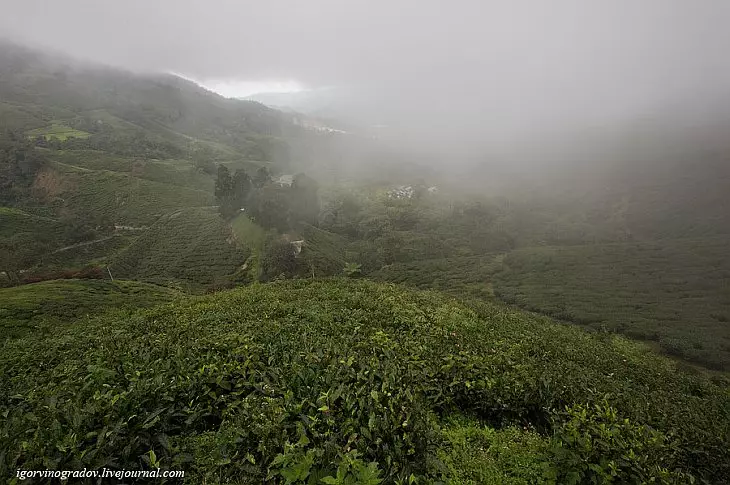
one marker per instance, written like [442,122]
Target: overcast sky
[525,63]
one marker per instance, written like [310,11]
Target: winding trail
[78,245]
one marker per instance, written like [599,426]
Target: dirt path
[78,245]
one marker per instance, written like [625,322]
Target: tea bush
[673,292]
[349,381]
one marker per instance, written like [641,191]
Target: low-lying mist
[524,84]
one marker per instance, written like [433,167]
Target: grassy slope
[59,131]
[20,118]
[315,371]
[173,172]
[122,198]
[467,275]
[14,222]
[191,247]
[250,235]
[323,251]
[671,291]
[25,308]
[98,252]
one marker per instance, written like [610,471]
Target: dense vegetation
[189,248]
[358,382]
[672,292]
[42,306]
[153,179]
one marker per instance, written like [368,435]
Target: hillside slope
[168,110]
[673,292]
[296,381]
[49,304]
[194,248]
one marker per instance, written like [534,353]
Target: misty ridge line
[524,82]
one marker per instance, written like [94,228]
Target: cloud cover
[496,69]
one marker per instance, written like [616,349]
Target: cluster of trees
[429,227]
[271,205]
[19,164]
[232,192]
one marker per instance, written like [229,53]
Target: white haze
[474,76]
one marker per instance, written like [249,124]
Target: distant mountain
[311,102]
[39,88]
[349,109]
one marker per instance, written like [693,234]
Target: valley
[207,284]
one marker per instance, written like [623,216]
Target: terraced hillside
[673,292]
[39,307]
[180,173]
[25,238]
[58,131]
[191,248]
[297,381]
[17,222]
[462,276]
[114,197]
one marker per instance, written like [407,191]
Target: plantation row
[298,381]
[671,292]
[34,308]
[191,247]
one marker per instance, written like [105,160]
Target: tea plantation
[342,381]
[117,197]
[34,307]
[673,292]
[191,248]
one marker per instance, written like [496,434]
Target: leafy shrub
[662,291]
[593,444]
[299,381]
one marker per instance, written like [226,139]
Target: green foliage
[663,291]
[180,173]
[460,275]
[353,471]
[57,130]
[341,214]
[280,260]
[271,208]
[250,235]
[593,444]
[98,252]
[474,453]
[116,197]
[25,241]
[192,248]
[323,252]
[232,193]
[30,308]
[352,269]
[304,201]
[339,381]
[16,221]
[203,159]
[147,116]
[224,192]
[19,164]
[277,206]
[285,382]
[389,231]
[262,178]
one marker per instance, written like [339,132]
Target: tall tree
[262,177]
[242,187]
[271,208]
[305,199]
[224,193]
[223,182]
